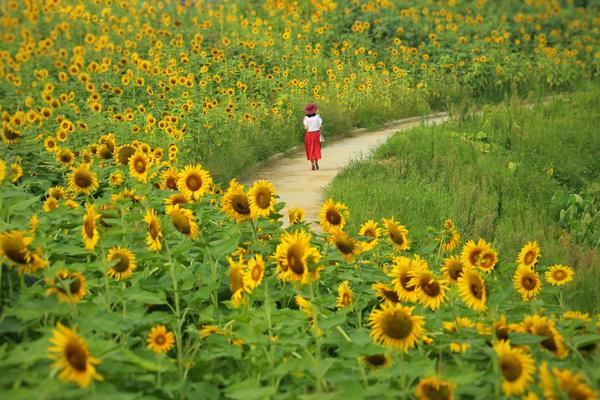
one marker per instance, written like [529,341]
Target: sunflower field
[135,266]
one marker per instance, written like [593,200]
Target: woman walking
[312,142]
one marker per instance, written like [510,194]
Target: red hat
[310,108]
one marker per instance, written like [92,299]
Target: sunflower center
[346,299]
[474,257]
[178,199]
[476,289]
[404,281]
[529,258]
[193,182]
[125,153]
[455,271]
[559,275]
[397,325]
[82,179]
[171,182]
[376,360]
[66,157]
[123,264]
[140,166]
[345,245]
[75,286]
[160,340]
[511,367]
[76,356]
[15,251]
[256,273]
[182,223]
[397,237]
[333,217]
[263,199]
[431,287]
[487,260]
[294,259]
[442,392]
[154,230]
[548,343]
[88,227]
[240,204]
[392,295]
[528,282]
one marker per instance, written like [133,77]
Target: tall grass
[498,175]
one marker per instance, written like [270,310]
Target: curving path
[298,186]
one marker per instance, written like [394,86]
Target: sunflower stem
[178,322]
[159,373]
[403,376]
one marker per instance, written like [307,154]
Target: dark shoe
[313,167]
[317,165]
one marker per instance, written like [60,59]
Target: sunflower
[33,223]
[82,180]
[527,282]
[430,291]
[69,287]
[457,347]
[115,179]
[50,204]
[348,246]
[262,198]
[434,388]
[472,289]
[543,326]
[452,269]
[64,156]
[236,275]
[457,324]
[372,231]
[124,154]
[449,236]
[89,230]
[169,179]
[307,308]
[395,326]
[2,170]
[529,254]
[235,202]
[16,172]
[139,164]
[558,275]
[183,220]
[398,234]
[50,144]
[576,315]
[333,215]
[9,134]
[479,255]
[571,384]
[546,382]
[175,199]
[401,277]
[344,298]
[294,255]
[123,263]
[14,247]
[58,192]
[296,215]
[72,357]
[154,231]
[254,274]
[385,293]
[194,181]
[517,367]
[376,361]
[160,340]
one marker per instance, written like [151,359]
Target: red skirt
[312,145]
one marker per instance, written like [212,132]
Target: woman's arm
[304,122]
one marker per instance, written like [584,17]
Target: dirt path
[298,186]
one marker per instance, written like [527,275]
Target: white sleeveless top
[313,124]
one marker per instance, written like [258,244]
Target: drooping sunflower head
[194,181]
[344,298]
[124,154]
[430,291]
[295,257]
[14,247]
[529,254]
[72,357]
[571,384]
[372,232]
[262,198]
[527,282]
[254,274]
[122,261]
[546,327]
[558,275]
[89,230]
[401,279]
[333,215]
[153,238]
[236,274]
[176,199]
[183,220]
[472,289]
[385,293]
[452,269]
[235,202]
[10,135]
[16,172]
[139,165]
[449,236]
[398,234]
[348,246]
[169,179]
[394,325]
[82,180]
[160,340]
[296,215]
[517,367]
[376,361]
[434,388]
[69,287]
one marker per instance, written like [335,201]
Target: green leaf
[519,338]
[252,393]
[146,297]
[586,340]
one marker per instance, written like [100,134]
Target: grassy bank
[510,175]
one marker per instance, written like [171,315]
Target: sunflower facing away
[395,326]
[139,165]
[385,293]
[517,367]
[82,180]
[124,154]
[452,269]
[546,327]
[479,255]
[431,292]
[398,234]
[123,263]
[236,280]
[472,289]
[558,275]
[372,232]
[69,287]
[184,221]
[376,361]
[296,215]
[529,254]
[254,274]
[344,298]
[235,202]
[527,282]
[333,215]
[160,340]
[154,230]
[89,230]
[401,278]
[449,237]
[194,181]
[72,357]
[262,198]
[348,246]
[294,255]
[434,388]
